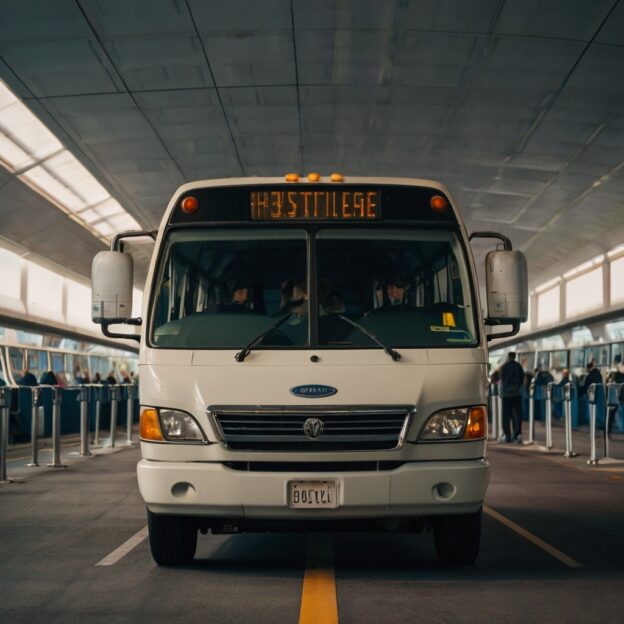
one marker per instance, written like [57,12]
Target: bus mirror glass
[506,285]
[111,287]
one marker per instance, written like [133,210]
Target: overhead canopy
[517,106]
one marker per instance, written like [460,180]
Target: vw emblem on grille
[313,427]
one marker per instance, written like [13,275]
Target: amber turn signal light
[336,177]
[292,177]
[313,177]
[189,204]
[438,203]
[150,426]
[477,423]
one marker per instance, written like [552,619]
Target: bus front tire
[457,538]
[173,539]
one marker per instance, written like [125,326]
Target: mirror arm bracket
[131,321]
[117,242]
[515,328]
[506,241]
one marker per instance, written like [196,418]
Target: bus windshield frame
[310,230]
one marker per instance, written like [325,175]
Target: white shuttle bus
[312,357]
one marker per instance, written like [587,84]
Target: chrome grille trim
[274,428]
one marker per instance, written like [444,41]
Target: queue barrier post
[34,422]
[56,428]
[114,400]
[548,414]
[84,393]
[494,403]
[592,396]
[569,394]
[102,395]
[131,395]
[5,407]
[614,399]
[531,439]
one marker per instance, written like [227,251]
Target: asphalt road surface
[73,549]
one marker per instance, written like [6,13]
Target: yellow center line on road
[318,597]
[540,543]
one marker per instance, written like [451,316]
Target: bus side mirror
[111,287]
[507,287]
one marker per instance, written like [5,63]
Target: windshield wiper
[241,355]
[395,355]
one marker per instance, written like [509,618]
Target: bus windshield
[222,288]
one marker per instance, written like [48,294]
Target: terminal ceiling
[517,105]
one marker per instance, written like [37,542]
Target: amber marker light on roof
[313,177]
[292,177]
[336,177]
[477,423]
[438,203]
[150,425]
[189,204]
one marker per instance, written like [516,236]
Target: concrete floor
[55,526]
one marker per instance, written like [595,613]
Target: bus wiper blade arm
[245,351]
[395,355]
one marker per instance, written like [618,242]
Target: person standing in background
[511,379]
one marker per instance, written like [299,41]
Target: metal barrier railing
[593,396]
[35,400]
[84,394]
[131,395]
[87,394]
[56,428]
[531,439]
[495,411]
[548,414]
[5,407]
[569,395]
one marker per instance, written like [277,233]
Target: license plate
[312,494]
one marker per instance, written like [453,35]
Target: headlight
[468,423]
[169,425]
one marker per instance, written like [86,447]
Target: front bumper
[214,490]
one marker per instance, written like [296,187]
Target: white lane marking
[540,543]
[124,549]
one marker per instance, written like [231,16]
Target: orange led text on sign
[285,205]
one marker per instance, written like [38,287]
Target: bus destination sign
[308,205]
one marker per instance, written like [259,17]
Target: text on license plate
[312,494]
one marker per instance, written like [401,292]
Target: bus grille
[312,429]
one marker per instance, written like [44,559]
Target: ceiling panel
[573,20]
[506,102]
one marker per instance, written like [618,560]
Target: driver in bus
[394,293]
[240,300]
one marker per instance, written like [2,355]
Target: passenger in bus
[111,380]
[85,377]
[299,303]
[286,295]
[125,378]
[396,290]
[27,379]
[98,378]
[393,295]
[333,304]
[512,376]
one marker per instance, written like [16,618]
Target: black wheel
[457,538]
[173,539]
